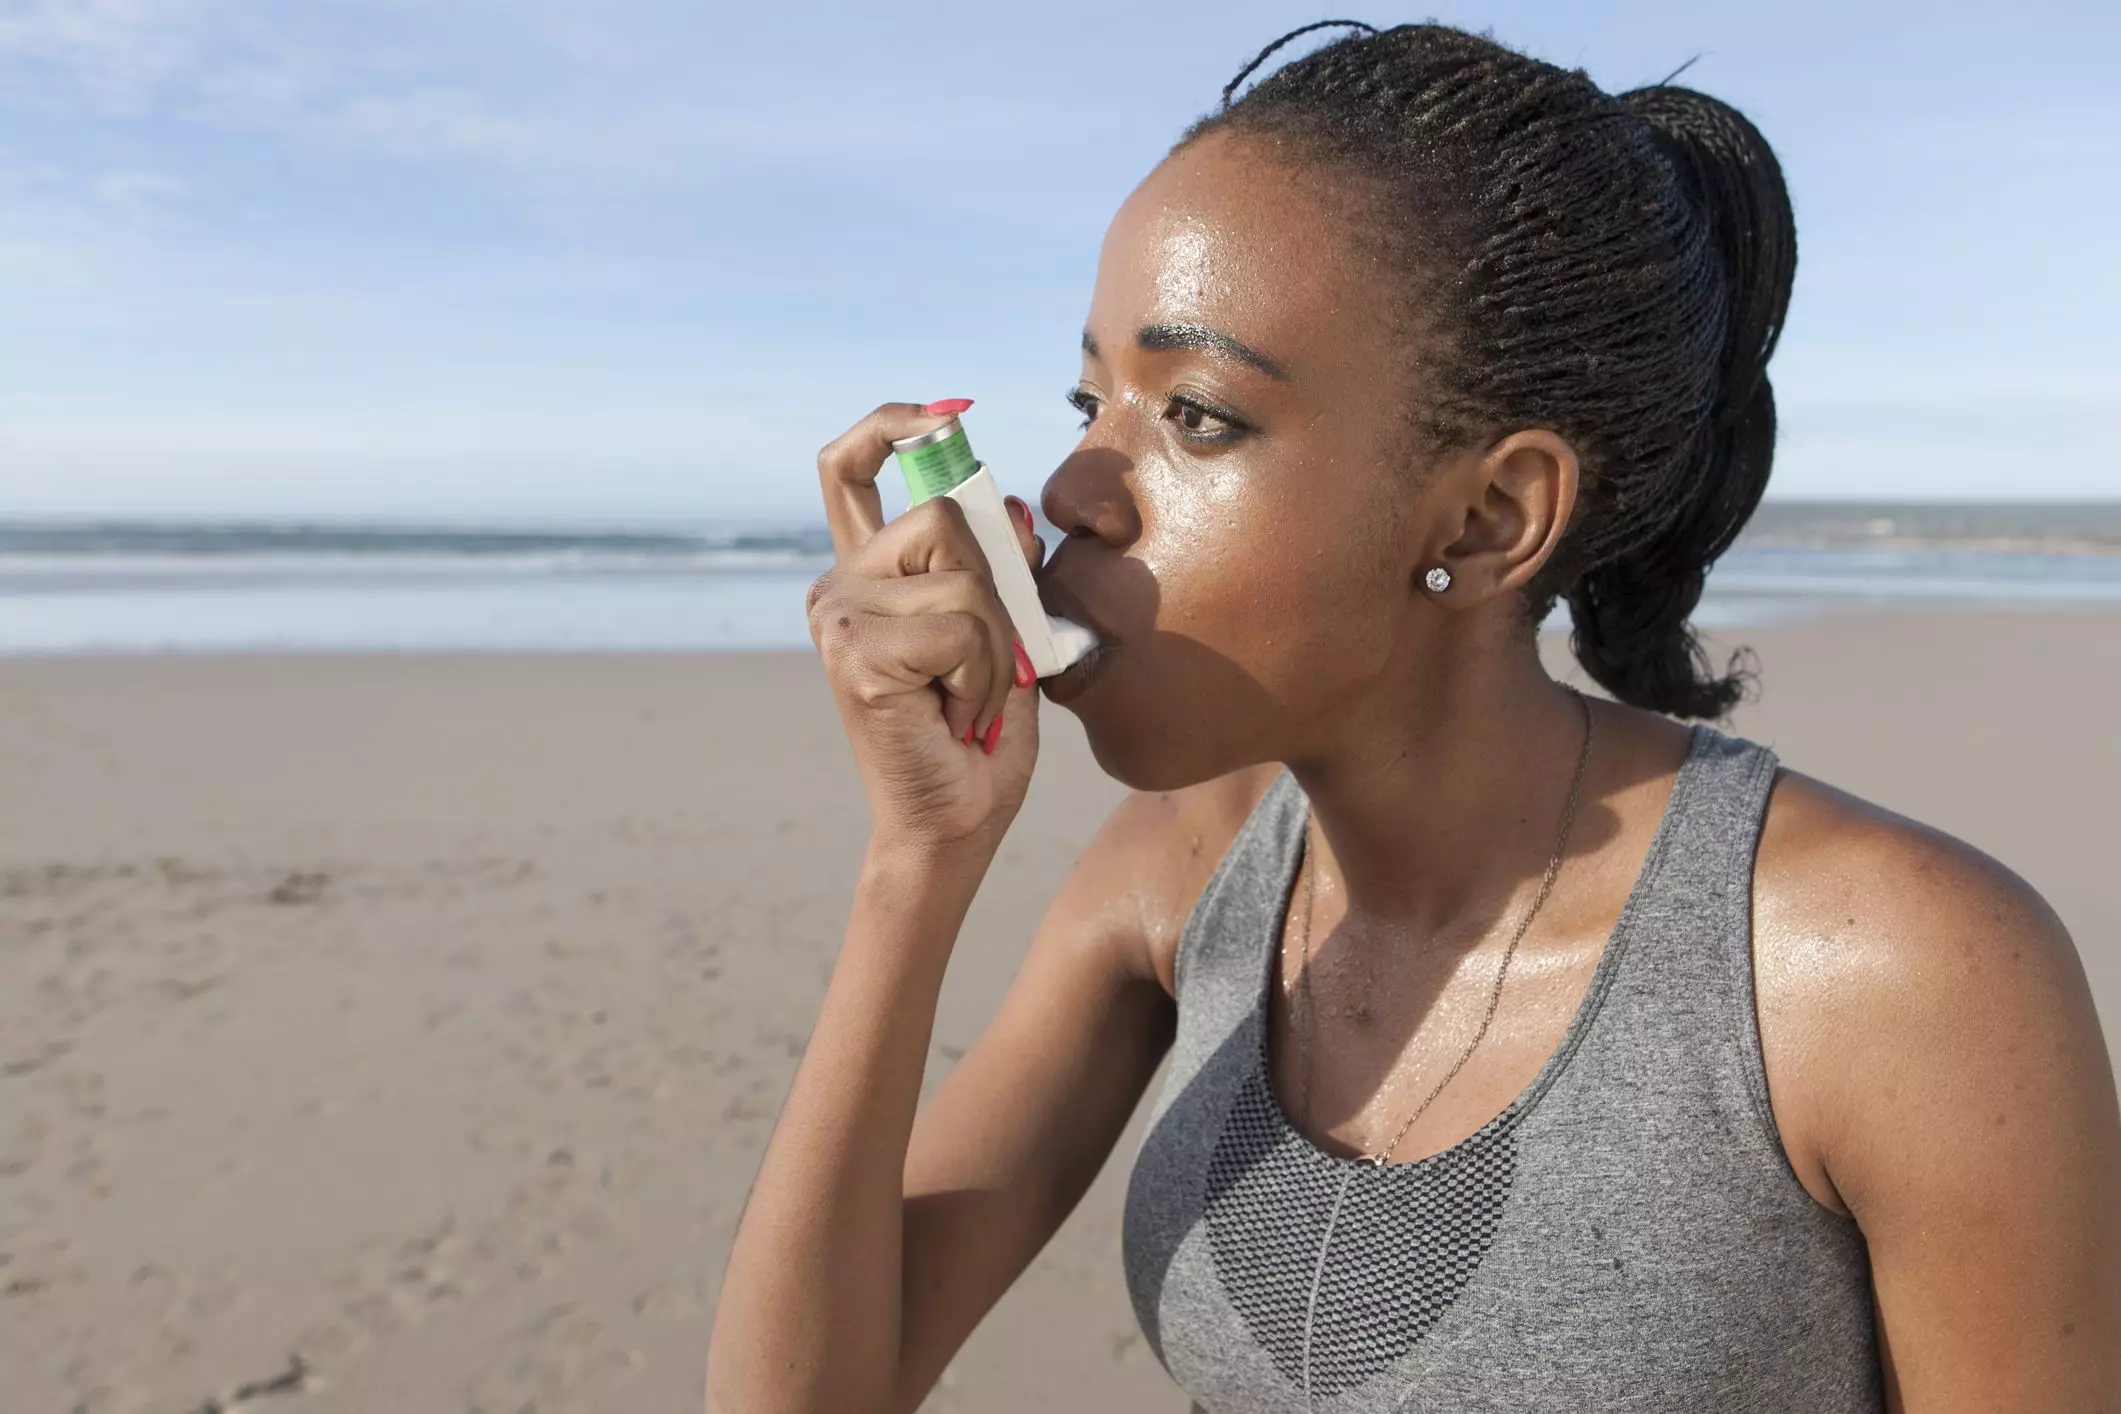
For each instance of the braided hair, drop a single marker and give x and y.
(1613, 267)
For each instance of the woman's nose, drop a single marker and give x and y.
(1091, 494)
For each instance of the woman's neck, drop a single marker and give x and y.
(1442, 791)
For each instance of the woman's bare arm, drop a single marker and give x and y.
(876, 1239)
(1938, 1072)
(1012, 1137)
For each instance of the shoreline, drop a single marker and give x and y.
(1754, 608)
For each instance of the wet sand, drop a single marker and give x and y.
(402, 1032)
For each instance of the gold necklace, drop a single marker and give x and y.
(1546, 886)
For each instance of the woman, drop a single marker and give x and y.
(1527, 1052)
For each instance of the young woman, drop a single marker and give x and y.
(1527, 1052)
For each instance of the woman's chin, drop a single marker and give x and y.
(1142, 751)
(1167, 719)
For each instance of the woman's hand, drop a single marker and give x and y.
(938, 699)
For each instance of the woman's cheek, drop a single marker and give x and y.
(1244, 570)
(1199, 504)
(1239, 589)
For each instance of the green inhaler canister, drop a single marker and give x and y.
(939, 462)
(936, 462)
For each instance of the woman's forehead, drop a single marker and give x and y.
(1222, 235)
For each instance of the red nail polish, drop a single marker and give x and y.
(1025, 673)
(994, 734)
(968, 732)
(947, 407)
(1018, 508)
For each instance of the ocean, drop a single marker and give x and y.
(140, 587)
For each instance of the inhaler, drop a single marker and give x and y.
(939, 462)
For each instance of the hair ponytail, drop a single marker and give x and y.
(1632, 610)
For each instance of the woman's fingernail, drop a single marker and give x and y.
(1018, 508)
(1025, 673)
(968, 732)
(994, 734)
(947, 407)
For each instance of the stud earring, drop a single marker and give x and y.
(1438, 579)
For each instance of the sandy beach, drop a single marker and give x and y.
(402, 1032)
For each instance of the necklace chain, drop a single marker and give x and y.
(1546, 886)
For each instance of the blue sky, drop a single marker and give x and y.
(637, 258)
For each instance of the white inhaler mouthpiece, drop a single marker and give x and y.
(1053, 644)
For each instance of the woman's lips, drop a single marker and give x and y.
(1076, 679)
(1055, 596)
(1070, 683)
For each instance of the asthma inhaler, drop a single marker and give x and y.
(939, 462)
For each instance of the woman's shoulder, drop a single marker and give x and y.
(1154, 855)
(1900, 973)
(1861, 888)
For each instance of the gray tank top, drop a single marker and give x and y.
(1626, 1235)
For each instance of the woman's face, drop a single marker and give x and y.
(1239, 522)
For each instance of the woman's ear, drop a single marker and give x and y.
(1518, 496)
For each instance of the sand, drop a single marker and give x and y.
(401, 1033)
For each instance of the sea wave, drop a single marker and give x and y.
(208, 543)
(145, 557)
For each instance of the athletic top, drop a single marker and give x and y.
(1627, 1235)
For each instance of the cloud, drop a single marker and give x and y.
(46, 263)
(137, 192)
(519, 89)
(115, 54)
(58, 225)
(430, 122)
(281, 74)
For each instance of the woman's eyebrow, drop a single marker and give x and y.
(1158, 337)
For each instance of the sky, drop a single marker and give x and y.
(629, 260)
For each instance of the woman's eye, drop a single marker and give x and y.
(1085, 403)
(1199, 422)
